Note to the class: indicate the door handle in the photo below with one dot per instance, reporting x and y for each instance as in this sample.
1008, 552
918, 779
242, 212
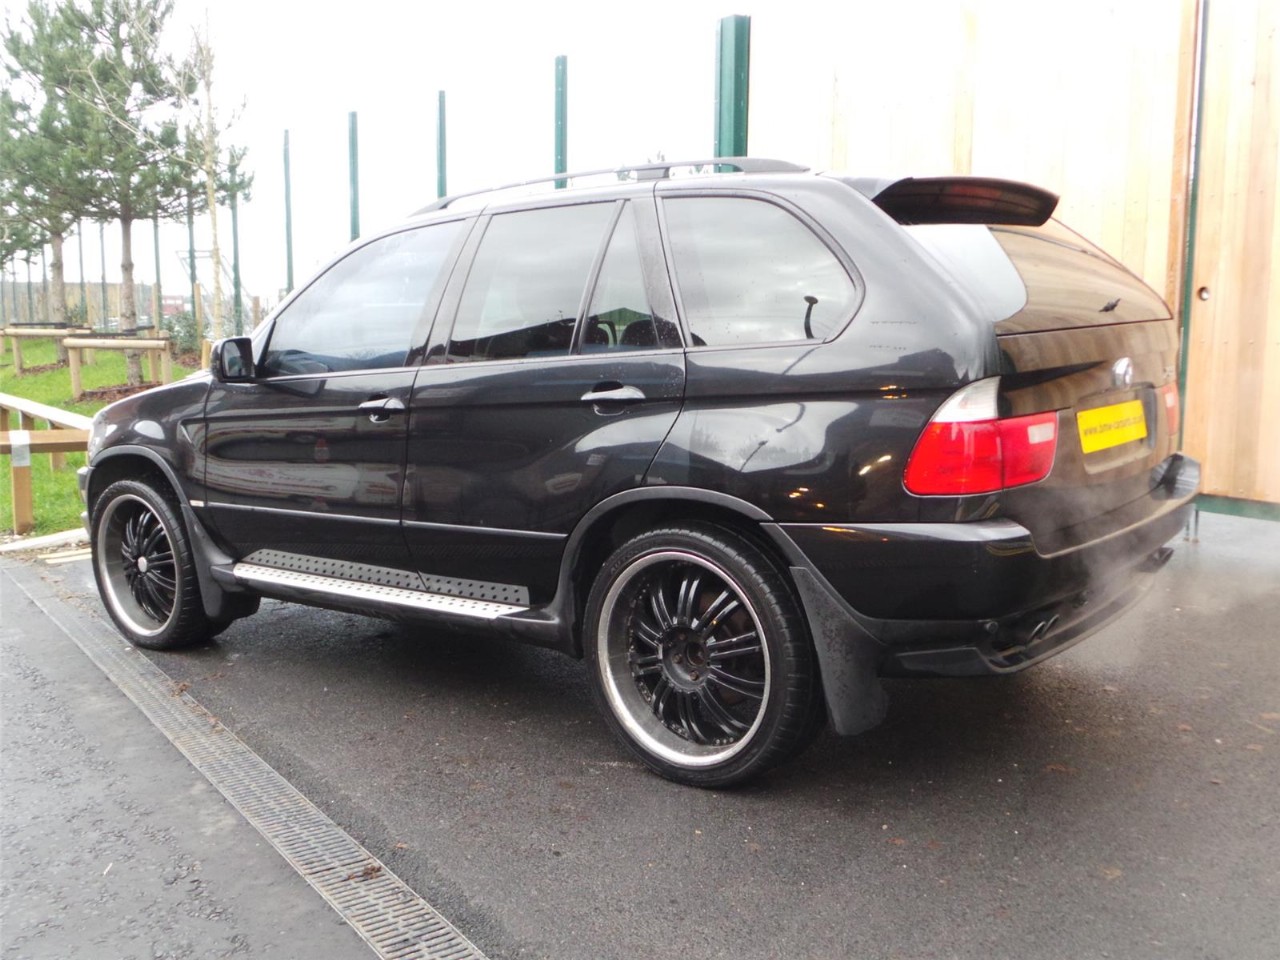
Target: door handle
612, 393
380, 409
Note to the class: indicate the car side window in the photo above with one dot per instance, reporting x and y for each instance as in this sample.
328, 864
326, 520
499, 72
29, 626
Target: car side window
361, 314
750, 272
620, 316
525, 287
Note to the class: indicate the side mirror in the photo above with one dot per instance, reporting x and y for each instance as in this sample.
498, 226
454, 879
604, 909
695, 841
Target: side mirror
231, 360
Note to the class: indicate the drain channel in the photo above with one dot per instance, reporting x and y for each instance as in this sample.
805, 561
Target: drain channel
395, 921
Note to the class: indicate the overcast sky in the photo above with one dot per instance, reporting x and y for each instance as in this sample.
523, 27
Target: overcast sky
641, 80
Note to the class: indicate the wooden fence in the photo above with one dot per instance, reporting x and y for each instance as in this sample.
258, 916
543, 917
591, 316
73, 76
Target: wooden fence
1094, 100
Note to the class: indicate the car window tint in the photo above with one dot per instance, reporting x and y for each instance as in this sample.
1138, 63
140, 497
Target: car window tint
525, 287
620, 317
362, 313
750, 272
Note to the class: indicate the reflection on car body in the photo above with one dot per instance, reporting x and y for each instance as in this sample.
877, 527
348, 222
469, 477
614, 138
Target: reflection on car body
745, 442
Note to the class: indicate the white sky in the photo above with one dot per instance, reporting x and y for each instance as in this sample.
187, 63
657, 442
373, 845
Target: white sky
863, 86
641, 80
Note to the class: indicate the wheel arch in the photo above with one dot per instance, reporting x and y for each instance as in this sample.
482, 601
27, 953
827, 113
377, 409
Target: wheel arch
132, 462
617, 519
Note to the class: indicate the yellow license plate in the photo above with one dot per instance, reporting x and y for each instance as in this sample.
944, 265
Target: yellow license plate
1110, 426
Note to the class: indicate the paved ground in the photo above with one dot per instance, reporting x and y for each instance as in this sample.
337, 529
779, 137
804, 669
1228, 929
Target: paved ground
1121, 801
113, 846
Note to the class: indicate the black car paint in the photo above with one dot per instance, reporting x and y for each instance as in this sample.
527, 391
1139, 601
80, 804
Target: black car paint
804, 442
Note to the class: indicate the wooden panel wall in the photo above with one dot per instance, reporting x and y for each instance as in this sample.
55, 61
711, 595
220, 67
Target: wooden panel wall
1233, 371
1084, 101
1093, 100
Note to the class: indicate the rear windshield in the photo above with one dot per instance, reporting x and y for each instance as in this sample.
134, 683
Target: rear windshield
1038, 278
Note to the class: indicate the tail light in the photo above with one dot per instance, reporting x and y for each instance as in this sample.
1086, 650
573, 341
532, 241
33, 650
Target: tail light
968, 448
1172, 411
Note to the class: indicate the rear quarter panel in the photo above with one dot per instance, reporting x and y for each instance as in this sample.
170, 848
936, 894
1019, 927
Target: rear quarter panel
814, 431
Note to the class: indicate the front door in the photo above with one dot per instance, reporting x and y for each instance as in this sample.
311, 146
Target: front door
305, 465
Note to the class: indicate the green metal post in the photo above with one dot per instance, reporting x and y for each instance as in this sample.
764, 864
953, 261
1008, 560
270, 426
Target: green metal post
441, 179
1193, 210
562, 118
353, 154
102, 249
237, 307
733, 77
288, 219
44, 283
158, 298
191, 256
31, 294
84, 297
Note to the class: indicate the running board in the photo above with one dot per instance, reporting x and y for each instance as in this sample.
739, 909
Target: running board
326, 591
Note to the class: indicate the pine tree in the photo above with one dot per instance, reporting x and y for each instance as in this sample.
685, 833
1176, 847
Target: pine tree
104, 126
46, 179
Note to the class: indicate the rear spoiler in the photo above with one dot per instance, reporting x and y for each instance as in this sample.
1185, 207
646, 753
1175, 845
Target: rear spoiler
959, 200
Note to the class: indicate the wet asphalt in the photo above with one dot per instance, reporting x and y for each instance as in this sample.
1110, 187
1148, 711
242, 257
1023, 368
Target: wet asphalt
1122, 800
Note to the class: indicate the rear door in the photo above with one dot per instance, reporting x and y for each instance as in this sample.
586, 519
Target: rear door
308, 460
560, 374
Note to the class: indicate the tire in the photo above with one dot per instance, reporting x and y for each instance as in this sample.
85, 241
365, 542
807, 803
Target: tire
700, 659
145, 570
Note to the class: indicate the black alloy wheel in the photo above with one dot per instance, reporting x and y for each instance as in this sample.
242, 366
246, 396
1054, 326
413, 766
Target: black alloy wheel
701, 661
142, 562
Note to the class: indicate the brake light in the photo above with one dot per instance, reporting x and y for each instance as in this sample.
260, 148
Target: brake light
1173, 412
966, 448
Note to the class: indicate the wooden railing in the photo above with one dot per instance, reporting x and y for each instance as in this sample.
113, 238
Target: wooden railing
67, 433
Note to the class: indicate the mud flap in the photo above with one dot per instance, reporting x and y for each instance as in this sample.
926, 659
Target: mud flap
847, 656
219, 602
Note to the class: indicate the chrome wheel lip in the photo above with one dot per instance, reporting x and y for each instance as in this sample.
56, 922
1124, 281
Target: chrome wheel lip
624, 698
111, 570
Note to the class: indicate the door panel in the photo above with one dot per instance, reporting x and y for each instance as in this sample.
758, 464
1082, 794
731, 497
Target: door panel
505, 458
310, 458
296, 466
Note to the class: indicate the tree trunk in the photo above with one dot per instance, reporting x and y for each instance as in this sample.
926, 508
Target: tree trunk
128, 301
211, 180
57, 290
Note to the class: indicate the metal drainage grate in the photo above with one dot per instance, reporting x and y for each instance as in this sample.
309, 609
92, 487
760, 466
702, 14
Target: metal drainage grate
382, 908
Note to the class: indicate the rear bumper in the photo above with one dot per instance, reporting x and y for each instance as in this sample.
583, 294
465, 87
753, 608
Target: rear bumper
984, 597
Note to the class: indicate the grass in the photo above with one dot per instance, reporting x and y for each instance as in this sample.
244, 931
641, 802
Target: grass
55, 497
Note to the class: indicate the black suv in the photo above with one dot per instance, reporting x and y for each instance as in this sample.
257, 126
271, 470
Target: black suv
746, 440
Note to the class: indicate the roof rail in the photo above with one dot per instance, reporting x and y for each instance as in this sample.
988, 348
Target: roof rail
643, 171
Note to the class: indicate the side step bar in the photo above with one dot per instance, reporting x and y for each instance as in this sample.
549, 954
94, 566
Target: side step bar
314, 588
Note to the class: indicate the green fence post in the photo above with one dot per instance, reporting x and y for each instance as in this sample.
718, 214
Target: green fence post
353, 157
441, 179
562, 118
288, 219
44, 283
102, 251
31, 293
157, 300
733, 76
236, 303
191, 260
1193, 218
84, 296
